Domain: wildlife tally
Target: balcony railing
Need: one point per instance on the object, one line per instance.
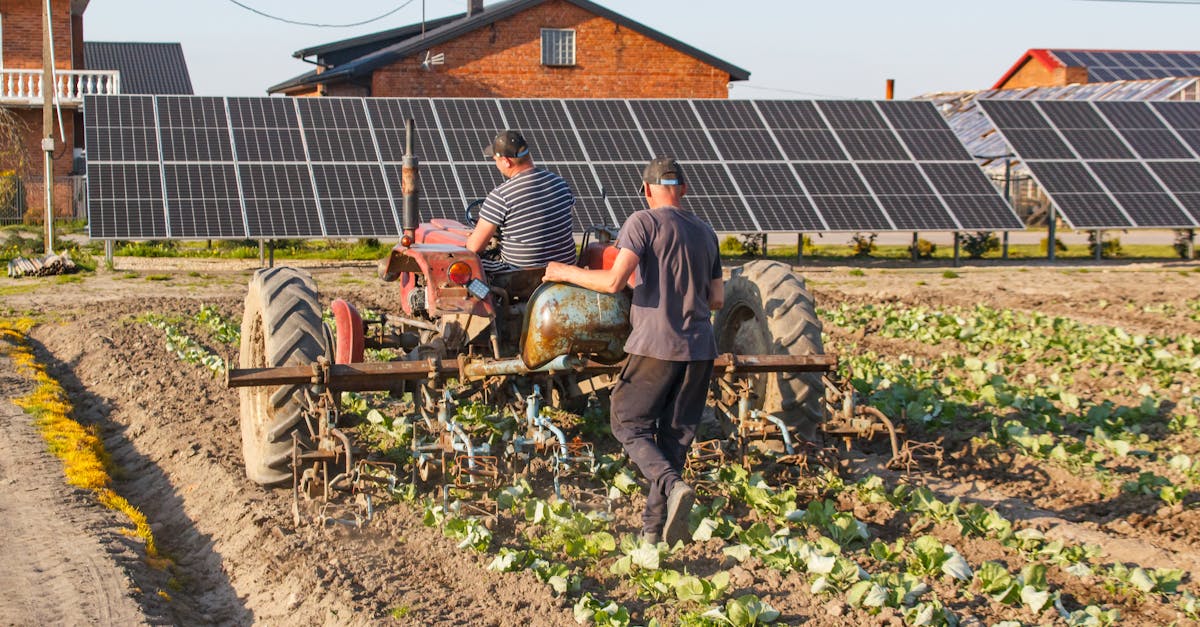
(24, 87)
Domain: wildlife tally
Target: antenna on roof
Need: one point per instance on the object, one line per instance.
(432, 60)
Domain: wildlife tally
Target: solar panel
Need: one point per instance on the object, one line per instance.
(852, 114)
(194, 129)
(665, 114)
(1118, 65)
(354, 200)
(791, 114)
(464, 113)
(204, 200)
(934, 145)
(330, 167)
(280, 200)
(614, 145)
(126, 201)
(122, 128)
(731, 114)
(1111, 176)
(810, 145)
(601, 114)
(686, 145)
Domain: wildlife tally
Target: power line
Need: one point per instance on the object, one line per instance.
(288, 21)
(791, 91)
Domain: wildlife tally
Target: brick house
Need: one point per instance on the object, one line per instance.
(21, 91)
(516, 49)
(1046, 67)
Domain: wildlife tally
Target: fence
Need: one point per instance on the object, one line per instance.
(23, 199)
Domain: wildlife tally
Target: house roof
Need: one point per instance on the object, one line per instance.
(455, 28)
(1112, 65)
(338, 52)
(146, 68)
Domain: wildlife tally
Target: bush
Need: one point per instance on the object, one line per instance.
(923, 249)
(1183, 240)
(1108, 248)
(1058, 245)
(978, 244)
(863, 244)
(745, 245)
(160, 248)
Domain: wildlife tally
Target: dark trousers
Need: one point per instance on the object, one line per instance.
(656, 406)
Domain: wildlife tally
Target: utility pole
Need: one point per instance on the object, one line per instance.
(48, 88)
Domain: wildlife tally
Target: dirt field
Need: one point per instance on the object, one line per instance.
(172, 430)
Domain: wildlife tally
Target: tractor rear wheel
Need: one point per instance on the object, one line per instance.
(281, 326)
(769, 311)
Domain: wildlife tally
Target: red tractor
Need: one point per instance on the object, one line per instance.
(512, 343)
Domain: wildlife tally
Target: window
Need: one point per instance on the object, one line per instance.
(558, 46)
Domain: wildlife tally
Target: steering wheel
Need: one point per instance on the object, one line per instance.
(470, 211)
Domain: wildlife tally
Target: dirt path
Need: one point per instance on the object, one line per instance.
(62, 558)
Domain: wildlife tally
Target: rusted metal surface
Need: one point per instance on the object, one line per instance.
(442, 297)
(563, 319)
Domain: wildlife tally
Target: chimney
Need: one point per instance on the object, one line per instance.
(474, 6)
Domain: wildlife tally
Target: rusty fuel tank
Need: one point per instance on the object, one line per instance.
(563, 319)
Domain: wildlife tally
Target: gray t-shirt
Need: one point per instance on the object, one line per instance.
(678, 257)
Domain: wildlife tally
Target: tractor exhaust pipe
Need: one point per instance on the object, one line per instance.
(409, 184)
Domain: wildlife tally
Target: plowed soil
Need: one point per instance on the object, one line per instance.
(172, 430)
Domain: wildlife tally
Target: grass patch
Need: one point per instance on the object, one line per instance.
(129, 275)
(158, 277)
(19, 288)
(68, 278)
(949, 274)
(85, 462)
(857, 272)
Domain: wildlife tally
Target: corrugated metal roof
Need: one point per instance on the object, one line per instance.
(980, 137)
(146, 68)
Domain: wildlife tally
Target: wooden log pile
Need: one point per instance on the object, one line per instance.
(41, 266)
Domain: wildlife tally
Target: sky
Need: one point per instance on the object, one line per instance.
(792, 48)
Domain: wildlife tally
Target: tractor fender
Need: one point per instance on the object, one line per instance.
(348, 346)
(564, 319)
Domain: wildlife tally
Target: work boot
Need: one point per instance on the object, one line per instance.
(679, 506)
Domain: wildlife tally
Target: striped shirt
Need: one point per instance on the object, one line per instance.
(532, 213)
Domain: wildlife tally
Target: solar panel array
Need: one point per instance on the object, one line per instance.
(1107, 164)
(262, 168)
(1131, 65)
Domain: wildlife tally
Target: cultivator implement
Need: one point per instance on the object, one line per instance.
(445, 453)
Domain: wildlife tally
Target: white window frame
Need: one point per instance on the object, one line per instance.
(556, 55)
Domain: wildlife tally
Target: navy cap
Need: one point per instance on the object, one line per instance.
(507, 144)
(663, 171)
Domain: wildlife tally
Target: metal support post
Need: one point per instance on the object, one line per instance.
(1191, 244)
(262, 253)
(48, 89)
(957, 247)
(1004, 247)
(271, 253)
(108, 254)
(799, 249)
(1099, 245)
(1051, 233)
(915, 256)
(1007, 199)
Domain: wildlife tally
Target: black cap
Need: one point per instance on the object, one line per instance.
(507, 144)
(663, 171)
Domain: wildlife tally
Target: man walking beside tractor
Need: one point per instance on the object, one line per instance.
(661, 391)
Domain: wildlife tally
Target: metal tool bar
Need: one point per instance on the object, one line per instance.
(369, 376)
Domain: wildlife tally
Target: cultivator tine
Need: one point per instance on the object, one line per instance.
(918, 455)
